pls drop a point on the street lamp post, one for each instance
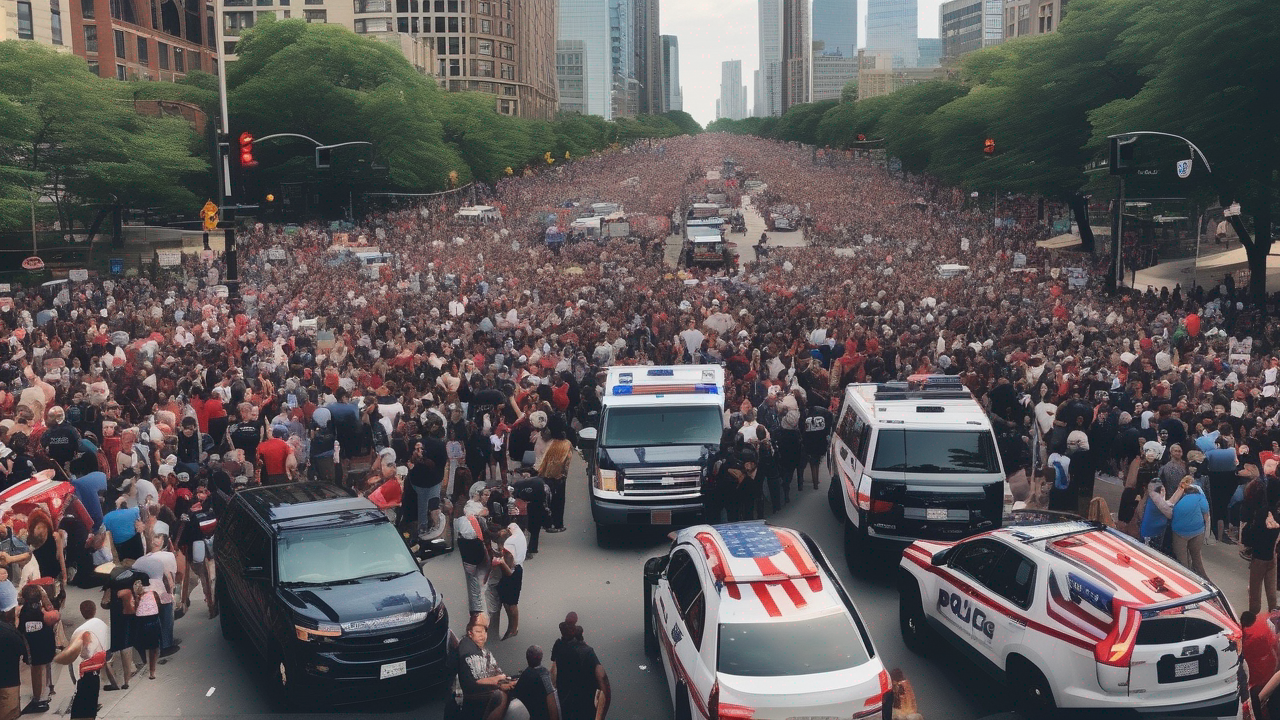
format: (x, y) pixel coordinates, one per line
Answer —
(224, 150)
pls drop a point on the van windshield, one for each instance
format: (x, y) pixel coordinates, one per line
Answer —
(335, 555)
(955, 452)
(662, 425)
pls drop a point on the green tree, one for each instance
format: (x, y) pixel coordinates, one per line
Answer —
(684, 121)
(849, 93)
(1207, 66)
(800, 122)
(71, 136)
(903, 124)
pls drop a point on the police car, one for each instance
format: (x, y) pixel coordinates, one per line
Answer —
(751, 622)
(1076, 615)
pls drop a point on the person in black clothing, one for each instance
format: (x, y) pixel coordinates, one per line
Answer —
(245, 434)
(579, 675)
(12, 649)
(426, 475)
(535, 689)
(533, 491)
(60, 440)
(189, 447)
(815, 432)
(41, 644)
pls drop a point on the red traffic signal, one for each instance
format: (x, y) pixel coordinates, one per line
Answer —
(246, 151)
(989, 146)
(862, 138)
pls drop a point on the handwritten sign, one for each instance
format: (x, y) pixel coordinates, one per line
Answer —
(169, 257)
(78, 275)
(276, 253)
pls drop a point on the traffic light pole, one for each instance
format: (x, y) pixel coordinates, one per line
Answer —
(224, 162)
(1117, 244)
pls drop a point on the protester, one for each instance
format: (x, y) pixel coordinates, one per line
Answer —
(12, 650)
(88, 644)
(514, 551)
(37, 620)
(579, 675)
(535, 689)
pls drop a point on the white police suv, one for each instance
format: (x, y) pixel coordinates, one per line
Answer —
(751, 622)
(1076, 615)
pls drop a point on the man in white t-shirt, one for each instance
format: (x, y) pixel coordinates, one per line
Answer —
(161, 566)
(88, 644)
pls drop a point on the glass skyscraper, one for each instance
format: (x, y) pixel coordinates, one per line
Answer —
(892, 30)
(588, 21)
(835, 25)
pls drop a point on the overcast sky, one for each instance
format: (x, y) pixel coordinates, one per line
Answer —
(712, 31)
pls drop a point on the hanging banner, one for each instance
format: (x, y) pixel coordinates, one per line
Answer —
(169, 257)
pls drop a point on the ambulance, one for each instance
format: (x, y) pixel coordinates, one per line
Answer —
(659, 429)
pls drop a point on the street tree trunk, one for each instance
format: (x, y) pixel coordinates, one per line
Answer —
(1080, 209)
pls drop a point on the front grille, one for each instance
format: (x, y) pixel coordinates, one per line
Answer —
(661, 481)
(374, 647)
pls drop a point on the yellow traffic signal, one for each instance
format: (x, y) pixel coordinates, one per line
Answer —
(453, 178)
(548, 158)
(271, 198)
(510, 171)
(209, 213)
(566, 154)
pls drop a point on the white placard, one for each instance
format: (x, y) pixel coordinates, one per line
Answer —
(1019, 260)
(1076, 277)
(4, 287)
(276, 253)
(169, 258)
(1239, 351)
(221, 291)
(78, 275)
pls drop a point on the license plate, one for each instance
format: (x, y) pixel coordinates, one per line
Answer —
(660, 517)
(935, 514)
(1186, 669)
(391, 670)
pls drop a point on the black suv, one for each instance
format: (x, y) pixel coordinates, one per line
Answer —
(321, 583)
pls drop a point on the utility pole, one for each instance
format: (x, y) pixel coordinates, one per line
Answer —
(224, 149)
(1117, 244)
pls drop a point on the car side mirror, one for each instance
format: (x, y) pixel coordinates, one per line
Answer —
(654, 567)
(256, 573)
(587, 437)
(942, 557)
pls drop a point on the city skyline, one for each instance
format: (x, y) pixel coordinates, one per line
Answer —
(713, 32)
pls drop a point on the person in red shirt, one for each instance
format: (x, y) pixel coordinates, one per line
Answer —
(1259, 647)
(276, 459)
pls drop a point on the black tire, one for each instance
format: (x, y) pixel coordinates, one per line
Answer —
(650, 632)
(226, 616)
(290, 694)
(856, 549)
(683, 711)
(916, 633)
(1033, 696)
(835, 501)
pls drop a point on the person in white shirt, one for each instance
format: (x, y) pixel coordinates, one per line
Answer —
(88, 644)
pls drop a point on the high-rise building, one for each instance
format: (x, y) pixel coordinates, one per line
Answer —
(733, 94)
(672, 98)
(626, 100)
(131, 39)
(571, 72)
(892, 30)
(968, 25)
(835, 25)
(797, 49)
(587, 21)
(930, 52)
(768, 91)
(36, 20)
(879, 75)
(1032, 17)
(648, 56)
(831, 72)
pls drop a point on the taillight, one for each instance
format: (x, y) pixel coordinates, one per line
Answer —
(879, 507)
(727, 711)
(879, 704)
(1116, 649)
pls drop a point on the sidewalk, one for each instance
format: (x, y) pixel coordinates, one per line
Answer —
(1223, 563)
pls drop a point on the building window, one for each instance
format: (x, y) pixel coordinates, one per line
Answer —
(455, 68)
(439, 24)
(238, 3)
(453, 6)
(162, 55)
(413, 25)
(371, 6)
(179, 61)
(120, 72)
(484, 68)
(373, 25)
(453, 24)
(508, 52)
(142, 51)
(316, 16)
(402, 25)
(455, 46)
(484, 8)
(484, 47)
(26, 30)
(238, 21)
(439, 6)
(119, 38)
(486, 27)
(95, 68)
(509, 90)
(55, 18)
(508, 72)
(91, 38)
(86, 9)
(402, 6)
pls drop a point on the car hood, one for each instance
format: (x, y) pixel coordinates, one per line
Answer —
(362, 601)
(624, 457)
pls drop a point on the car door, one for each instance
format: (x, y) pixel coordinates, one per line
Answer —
(971, 606)
(258, 590)
(686, 628)
(997, 624)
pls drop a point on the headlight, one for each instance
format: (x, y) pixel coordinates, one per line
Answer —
(607, 480)
(321, 633)
(437, 611)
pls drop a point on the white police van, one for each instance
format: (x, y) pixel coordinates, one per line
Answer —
(751, 622)
(915, 460)
(659, 429)
(1076, 615)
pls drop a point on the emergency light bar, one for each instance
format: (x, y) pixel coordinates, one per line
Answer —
(695, 389)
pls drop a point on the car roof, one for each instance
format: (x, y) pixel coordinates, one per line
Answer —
(763, 573)
(1112, 562)
(293, 501)
(936, 400)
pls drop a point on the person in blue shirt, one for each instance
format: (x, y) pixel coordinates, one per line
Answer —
(1222, 463)
(122, 523)
(89, 482)
(1189, 522)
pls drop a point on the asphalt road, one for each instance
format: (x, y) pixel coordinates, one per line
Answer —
(211, 678)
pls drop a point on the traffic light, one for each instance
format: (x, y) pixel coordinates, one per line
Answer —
(989, 146)
(271, 198)
(862, 138)
(566, 154)
(1122, 152)
(548, 158)
(246, 151)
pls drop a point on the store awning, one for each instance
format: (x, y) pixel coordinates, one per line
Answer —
(1061, 242)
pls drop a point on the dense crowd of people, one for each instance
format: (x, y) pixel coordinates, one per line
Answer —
(452, 381)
